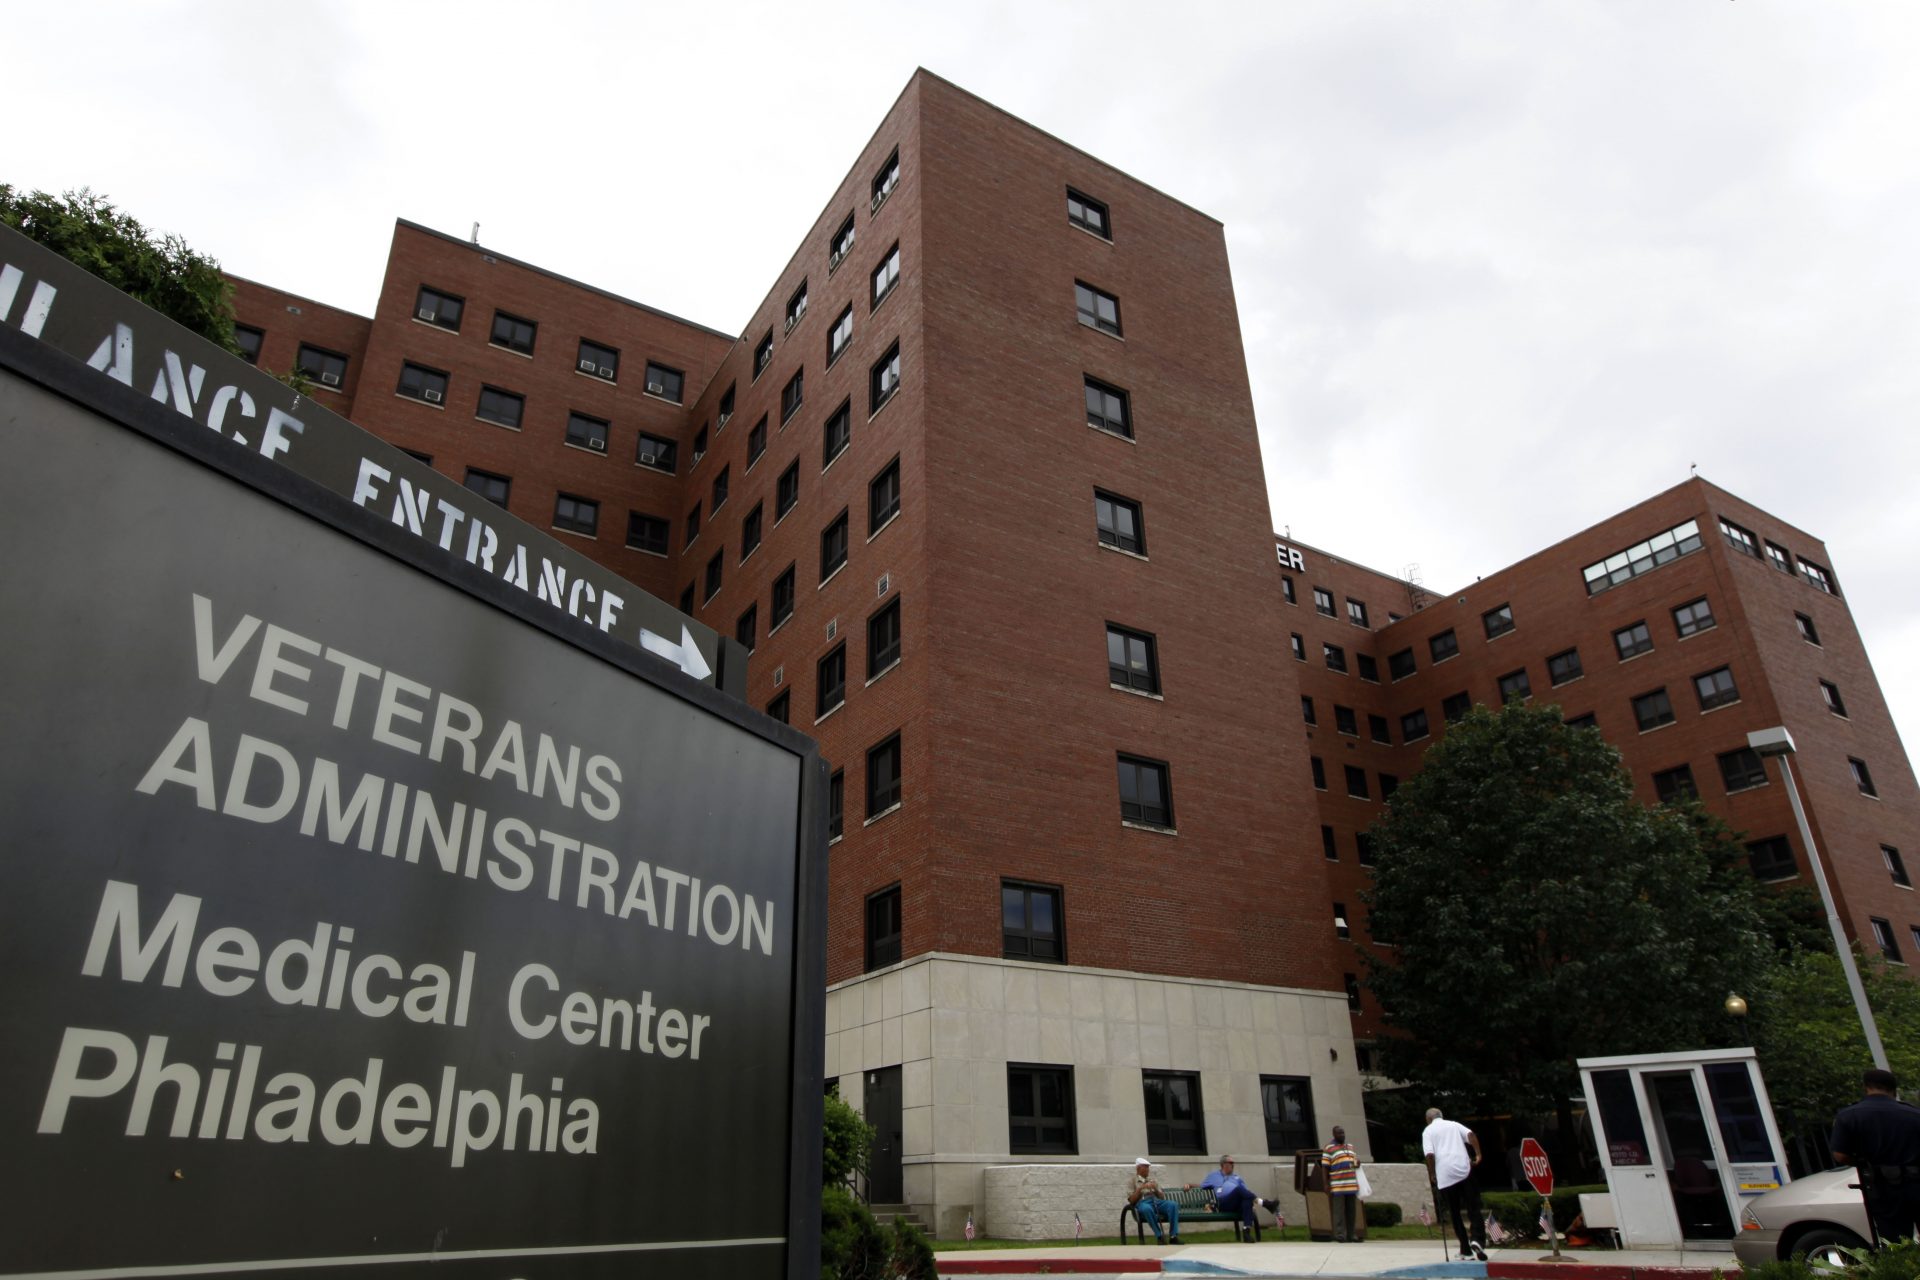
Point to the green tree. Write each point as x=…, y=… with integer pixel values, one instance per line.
x=1542, y=914
x=1808, y=1035
x=162, y=271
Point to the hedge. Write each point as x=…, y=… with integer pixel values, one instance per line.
x=1518, y=1212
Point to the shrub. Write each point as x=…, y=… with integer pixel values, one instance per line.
x=1381, y=1213
x=852, y=1246
x=912, y=1254
x=846, y=1140
x=1518, y=1212
x=1779, y=1269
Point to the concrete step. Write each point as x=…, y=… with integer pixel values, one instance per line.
x=887, y=1214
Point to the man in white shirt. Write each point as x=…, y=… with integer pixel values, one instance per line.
x=1452, y=1151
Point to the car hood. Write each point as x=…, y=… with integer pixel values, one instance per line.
x=1829, y=1196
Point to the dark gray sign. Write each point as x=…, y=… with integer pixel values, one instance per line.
x=55, y=302
x=359, y=914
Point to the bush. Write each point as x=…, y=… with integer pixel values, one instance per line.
x=1381, y=1213
x=912, y=1254
x=1518, y=1212
x=852, y=1246
x=846, y=1140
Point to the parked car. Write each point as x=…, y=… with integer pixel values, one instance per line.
x=1814, y=1215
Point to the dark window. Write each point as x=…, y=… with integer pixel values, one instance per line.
x=1780, y=558
x=840, y=337
x=1174, y=1115
x=1632, y=641
x=1357, y=612
x=726, y=407
x=1895, y=867
x=1830, y=694
x=797, y=306
x=1097, y=310
x=1344, y=721
x=782, y=600
x=1716, y=688
x=840, y=245
x=1675, y=784
x=1327, y=844
x=1693, y=616
x=648, y=533
x=1443, y=646
x=1514, y=686
x=883, y=639
x=1306, y=710
x=883, y=776
x=668, y=384
x=503, y=408
x=781, y=708
x=746, y=629
x=833, y=546
x=1107, y=409
x=1119, y=522
x=836, y=435
x=248, y=339
x=489, y=486
x=1040, y=1110
x=686, y=599
x=1340, y=927
x=1818, y=577
x=836, y=805
x=1643, y=557
x=1497, y=621
x=787, y=491
x=422, y=383
x=1352, y=984
x=1808, y=632
x=1379, y=730
x=1088, y=214
x=793, y=395
x=1651, y=710
x=576, y=514
x=1413, y=726
x=1132, y=662
x=598, y=360
x=1286, y=589
x=1145, y=792
x=1335, y=657
x=1861, y=777
x=693, y=524
x=437, y=308
x=1564, y=666
x=885, y=181
x=1455, y=706
x=1032, y=925
x=721, y=484
x=1389, y=783
x=750, y=532
x=1319, y=767
x=1884, y=939
x=884, y=379
x=587, y=433
x=418, y=456
x=715, y=565
x=1357, y=783
x=883, y=928
x=1287, y=1102
x=756, y=442
x=1323, y=601
x=328, y=368
x=1368, y=668
x=699, y=444
x=656, y=453
x=1299, y=646
x=513, y=333
x=1401, y=665
x=1362, y=842
x=830, y=684
x=1586, y=721
x=1742, y=768
x=1739, y=539
x=885, y=276
x=763, y=355
x=883, y=497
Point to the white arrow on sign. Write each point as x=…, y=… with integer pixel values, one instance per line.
x=685, y=655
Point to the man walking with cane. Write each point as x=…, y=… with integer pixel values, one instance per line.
x=1452, y=1151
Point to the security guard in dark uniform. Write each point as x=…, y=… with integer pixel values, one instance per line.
x=1880, y=1136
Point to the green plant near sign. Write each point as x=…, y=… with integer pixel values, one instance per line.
x=1899, y=1261
x=1518, y=1212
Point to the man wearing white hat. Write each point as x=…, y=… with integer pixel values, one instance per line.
x=1149, y=1206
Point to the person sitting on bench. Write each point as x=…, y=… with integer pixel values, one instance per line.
x=1234, y=1196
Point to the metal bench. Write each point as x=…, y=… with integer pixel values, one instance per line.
x=1193, y=1208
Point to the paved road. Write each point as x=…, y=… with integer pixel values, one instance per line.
x=1415, y=1260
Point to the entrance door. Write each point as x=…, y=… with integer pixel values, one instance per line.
x=883, y=1113
x=1694, y=1173
x=1643, y=1208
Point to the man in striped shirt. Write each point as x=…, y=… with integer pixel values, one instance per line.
x=1343, y=1184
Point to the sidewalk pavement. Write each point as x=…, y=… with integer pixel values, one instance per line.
x=1411, y=1259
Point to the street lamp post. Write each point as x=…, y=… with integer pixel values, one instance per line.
x=1778, y=742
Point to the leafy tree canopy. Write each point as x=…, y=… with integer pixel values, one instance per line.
x=1543, y=914
x=1808, y=1035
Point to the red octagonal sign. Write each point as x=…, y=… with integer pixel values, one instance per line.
x=1533, y=1161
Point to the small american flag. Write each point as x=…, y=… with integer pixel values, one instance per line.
x=1078, y=1230
x=969, y=1226
x=1426, y=1215
x=1279, y=1219
x=1546, y=1220
x=1495, y=1232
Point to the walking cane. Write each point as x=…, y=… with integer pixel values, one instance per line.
x=1446, y=1254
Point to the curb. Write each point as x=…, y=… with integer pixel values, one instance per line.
x=1047, y=1266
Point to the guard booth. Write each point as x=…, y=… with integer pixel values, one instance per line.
x=1686, y=1139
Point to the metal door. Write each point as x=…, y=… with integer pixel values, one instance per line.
x=1638, y=1182
x=883, y=1113
x=1690, y=1152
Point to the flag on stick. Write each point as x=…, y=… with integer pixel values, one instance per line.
x=1426, y=1215
x=1078, y=1230
x=969, y=1226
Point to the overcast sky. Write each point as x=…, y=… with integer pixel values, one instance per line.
x=1502, y=269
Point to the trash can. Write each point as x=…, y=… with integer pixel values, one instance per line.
x=1310, y=1180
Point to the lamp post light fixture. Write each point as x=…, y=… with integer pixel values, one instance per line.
x=1778, y=742
x=1736, y=1006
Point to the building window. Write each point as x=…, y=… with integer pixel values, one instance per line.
x=1087, y=214
x=1299, y=646
x=1340, y=927
x=1335, y=657
x=1379, y=730
x=686, y=600
x=715, y=566
x=1716, y=688
x=600, y=361
x=756, y=442
x=1632, y=641
x=1830, y=694
x=1107, y=409
x=1119, y=522
x=421, y=383
x=1693, y=617
x=782, y=600
x=1286, y=589
x=883, y=497
x=439, y=309
x=328, y=368
x=885, y=181
x=489, y=486
x=1146, y=793
x=1586, y=721
x=1563, y=667
x=576, y=514
x=1323, y=602
x=1389, y=783
x=1884, y=939
x=502, y=408
x=1131, y=660
x=1287, y=1102
x=797, y=306
x=883, y=928
x=763, y=355
x=1895, y=867
x=840, y=337
x=836, y=805
x=1357, y=783
x=1174, y=1115
x=840, y=245
x=1739, y=539
x=1401, y=665
x=693, y=523
x=1352, y=983
x=1097, y=310
x=885, y=276
x=1328, y=845
x=1319, y=768
x=699, y=445
x=668, y=384
x=1651, y=710
x=1817, y=577
x=721, y=484
x=1032, y=924
x=1663, y=548
x=1306, y=710
x=1515, y=687
x=1413, y=725
x=1344, y=721
x=750, y=530
x=1357, y=612
x=884, y=379
x=513, y=333
x=883, y=639
x=648, y=533
x=746, y=628
x=726, y=407
x=248, y=339
x=1742, y=768
x=830, y=683
x=781, y=707
x=417, y=456
x=587, y=433
x=836, y=435
x=1772, y=859
x=833, y=546
x=787, y=492
x=883, y=777
x=1368, y=668
x=656, y=453
x=1443, y=646
x=1808, y=632
x=1780, y=558
x=1040, y=1110
x=1497, y=621
x=1675, y=784
x=1454, y=707
x=1861, y=777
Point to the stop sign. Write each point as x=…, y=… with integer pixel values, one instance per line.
x=1533, y=1162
